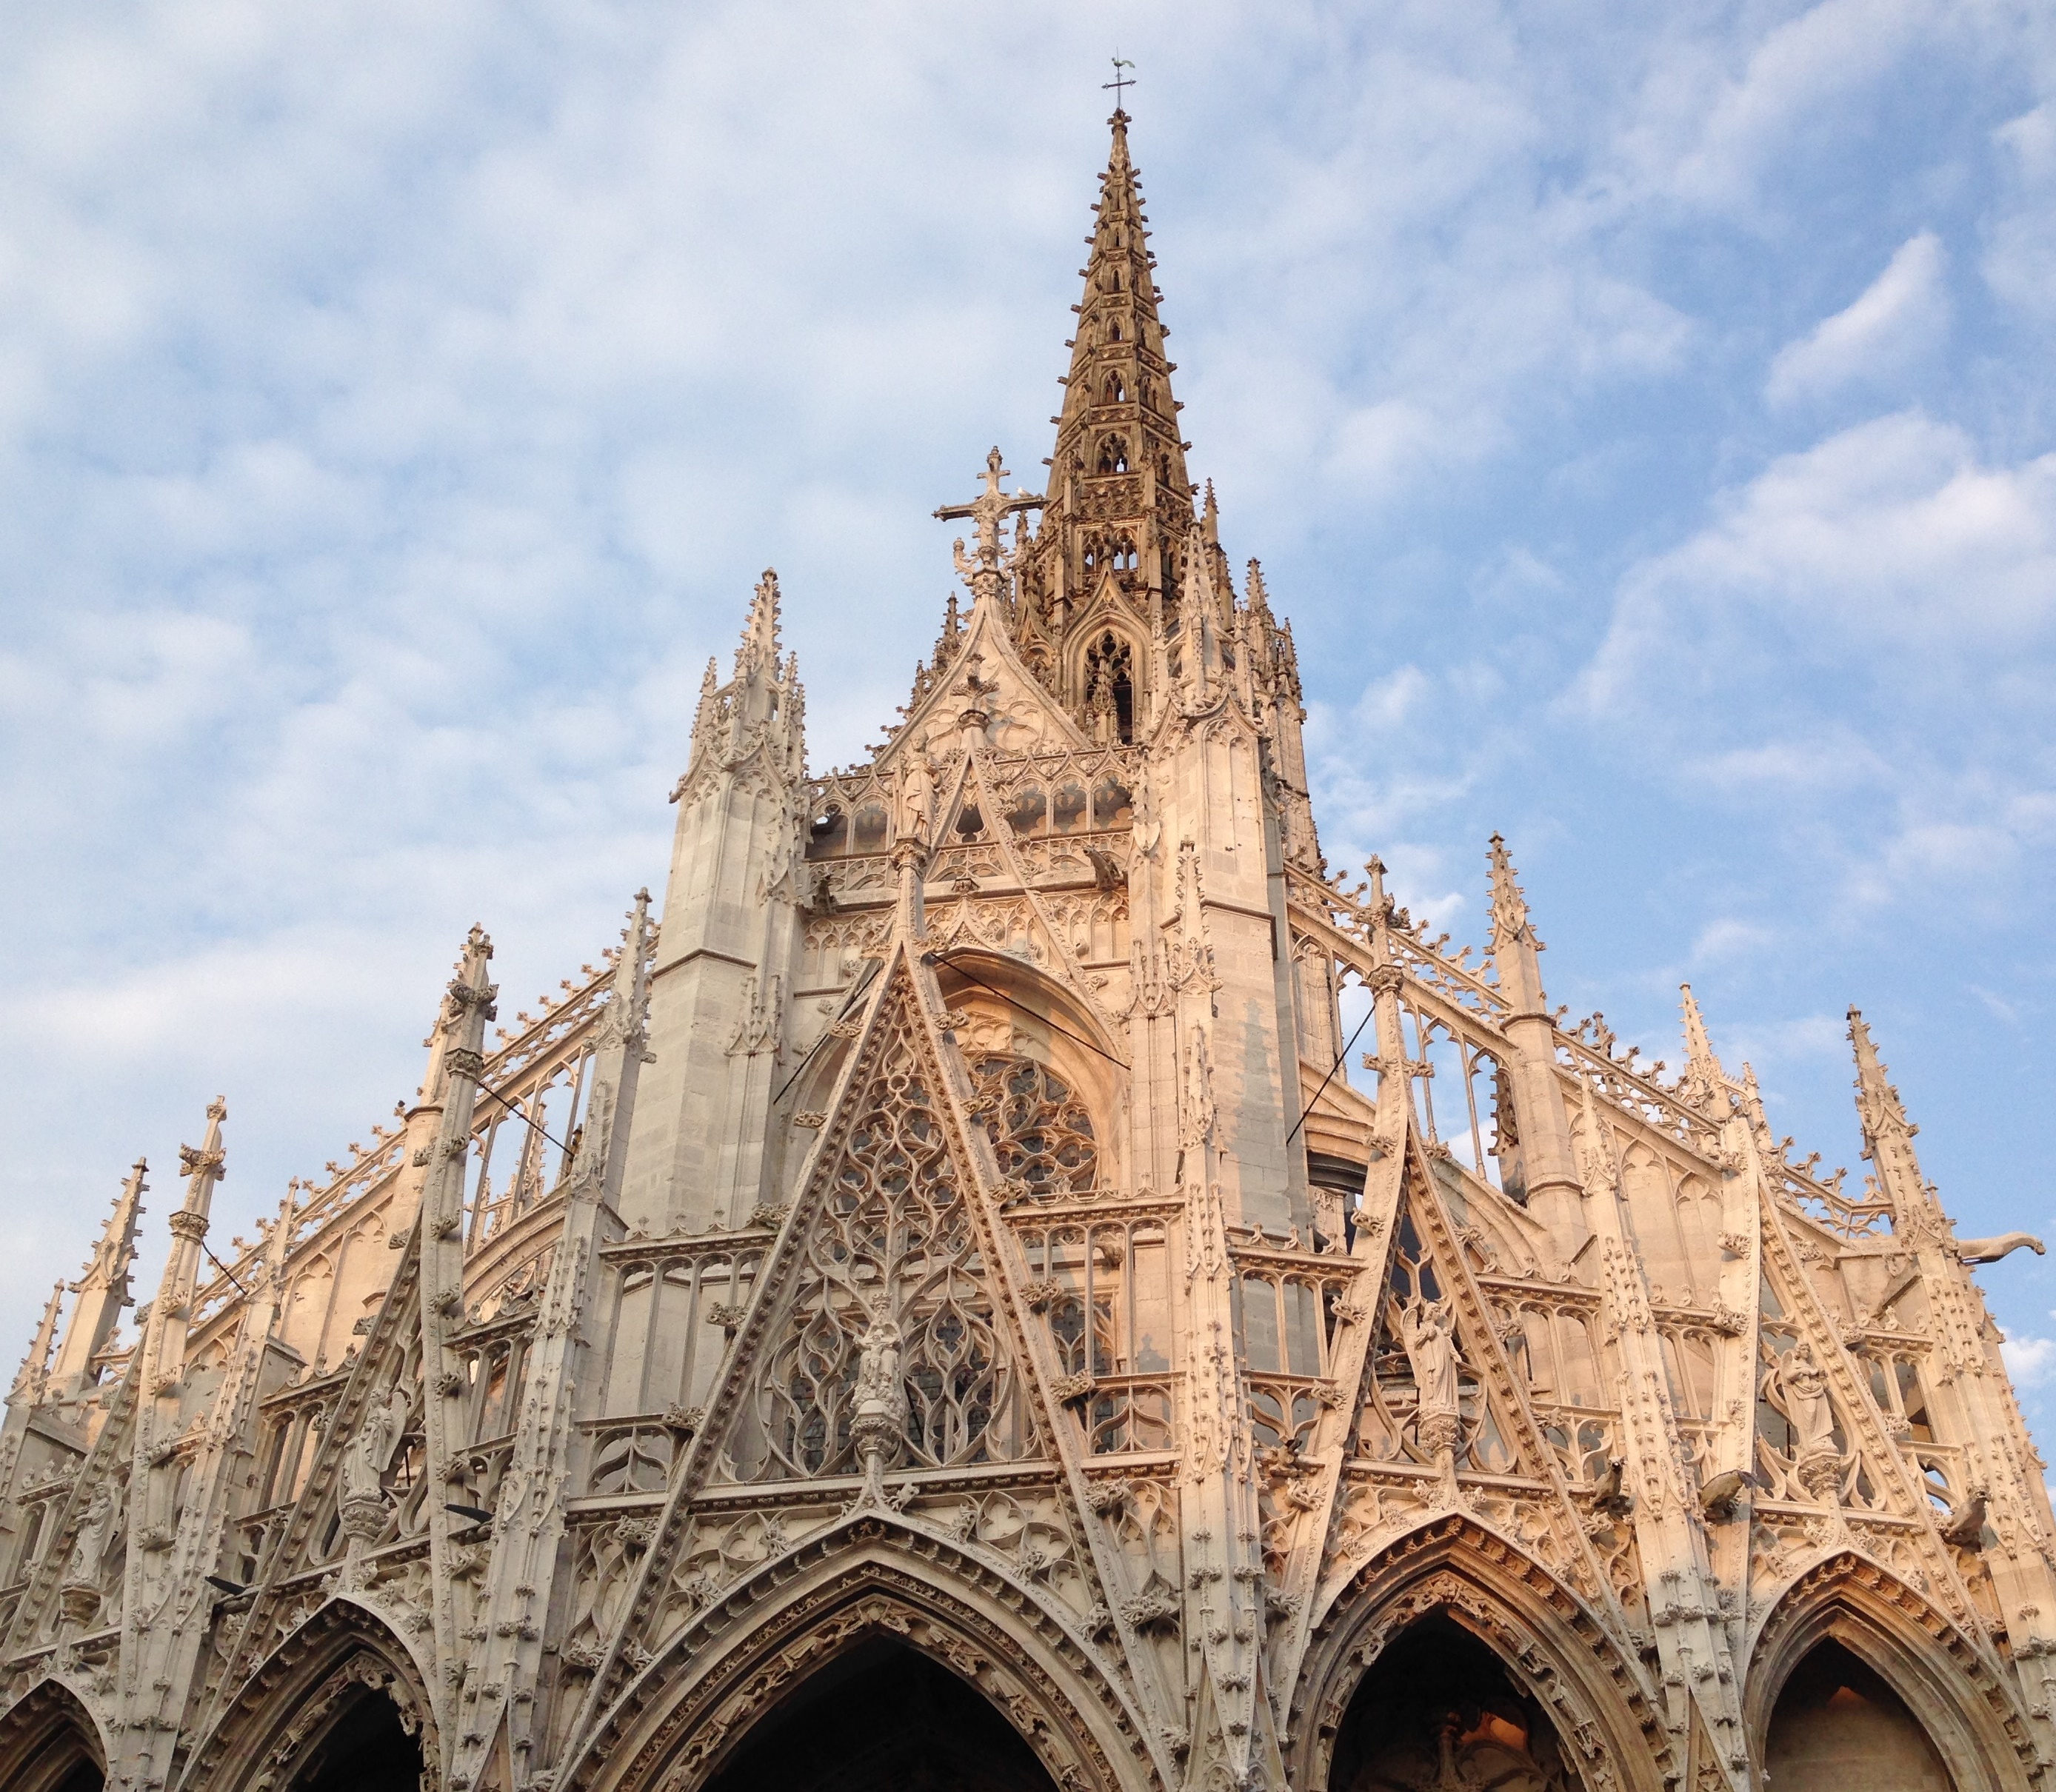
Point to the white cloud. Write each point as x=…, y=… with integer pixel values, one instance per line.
x=1888, y=542
x=1728, y=936
x=1901, y=315
x=2030, y=1361
x=2019, y=261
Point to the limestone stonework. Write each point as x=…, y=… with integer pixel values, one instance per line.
x=932, y=1312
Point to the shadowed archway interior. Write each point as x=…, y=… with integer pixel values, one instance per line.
x=1839, y=1728
x=884, y=1718
x=1438, y=1709
x=367, y=1749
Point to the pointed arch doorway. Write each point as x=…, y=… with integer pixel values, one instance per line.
x=883, y=1717
x=367, y=1748
x=1838, y=1726
x=1439, y=1710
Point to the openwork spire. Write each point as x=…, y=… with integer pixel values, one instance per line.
x=1119, y=415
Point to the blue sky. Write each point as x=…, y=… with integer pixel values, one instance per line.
x=1647, y=415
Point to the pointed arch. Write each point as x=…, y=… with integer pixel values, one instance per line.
x=50, y=1742
x=1938, y=1672
x=999, y=1003
x=318, y=1677
x=691, y=1708
x=1549, y=1641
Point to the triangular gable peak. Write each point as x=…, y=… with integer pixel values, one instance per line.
x=984, y=698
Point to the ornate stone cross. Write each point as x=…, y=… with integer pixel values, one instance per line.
x=989, y=509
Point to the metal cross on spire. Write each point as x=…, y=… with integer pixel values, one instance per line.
x=1119, y=83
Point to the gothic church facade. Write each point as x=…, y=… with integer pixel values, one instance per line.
x=932, y=1311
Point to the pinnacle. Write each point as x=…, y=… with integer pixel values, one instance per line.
x=760, y=648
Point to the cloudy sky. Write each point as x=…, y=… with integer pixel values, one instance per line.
x=1646, y=413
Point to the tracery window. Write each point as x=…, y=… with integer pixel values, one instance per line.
x=895, y=1238
x=1041, y=1132
x=1113, y=455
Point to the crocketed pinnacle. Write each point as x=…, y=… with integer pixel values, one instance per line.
x=1705, y=1081
x=102, y=1287
x=1118, y=414
x=1879, y=1109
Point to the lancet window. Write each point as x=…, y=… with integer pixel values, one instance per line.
x=1110, y=686
x=1114, y=454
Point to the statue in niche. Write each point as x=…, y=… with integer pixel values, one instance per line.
x=878, y=1358
x=90, y=1550
x=917, y=793
x=1431, y=1351
x=370, y=1452
x=1804, y=1385
x=1199, y=1115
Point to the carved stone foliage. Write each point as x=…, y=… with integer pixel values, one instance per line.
x=890, y=1235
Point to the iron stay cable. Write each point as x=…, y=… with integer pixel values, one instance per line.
x=1331, y=1077
x=949, y=959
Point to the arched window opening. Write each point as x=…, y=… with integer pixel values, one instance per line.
x=368, y=1745
x=1439, y=1708
x=1839, y=1728
x=1116, y=394
x=881, y=1719
x=1123, y=554
x=1113, y=331
x=1028, y=812
x=1113, y=455
x=827, y=834
x=1110, y=686
x=869, y=834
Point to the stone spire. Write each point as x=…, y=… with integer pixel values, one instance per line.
x=203, y=1166
x=1704, y=1083
x=1555, y=1189
x=760, y=711
x=1119, y=501
x=1119, y=415
x=102, y=1288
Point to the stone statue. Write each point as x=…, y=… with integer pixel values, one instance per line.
x=1424, y=1328
x=917, y=794
x=90, y=1548
x=1804, y=1384
x=878, y=1360
x=1199, y=1115
x=370, y=1452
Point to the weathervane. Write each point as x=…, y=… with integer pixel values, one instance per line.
x=1119, y=83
